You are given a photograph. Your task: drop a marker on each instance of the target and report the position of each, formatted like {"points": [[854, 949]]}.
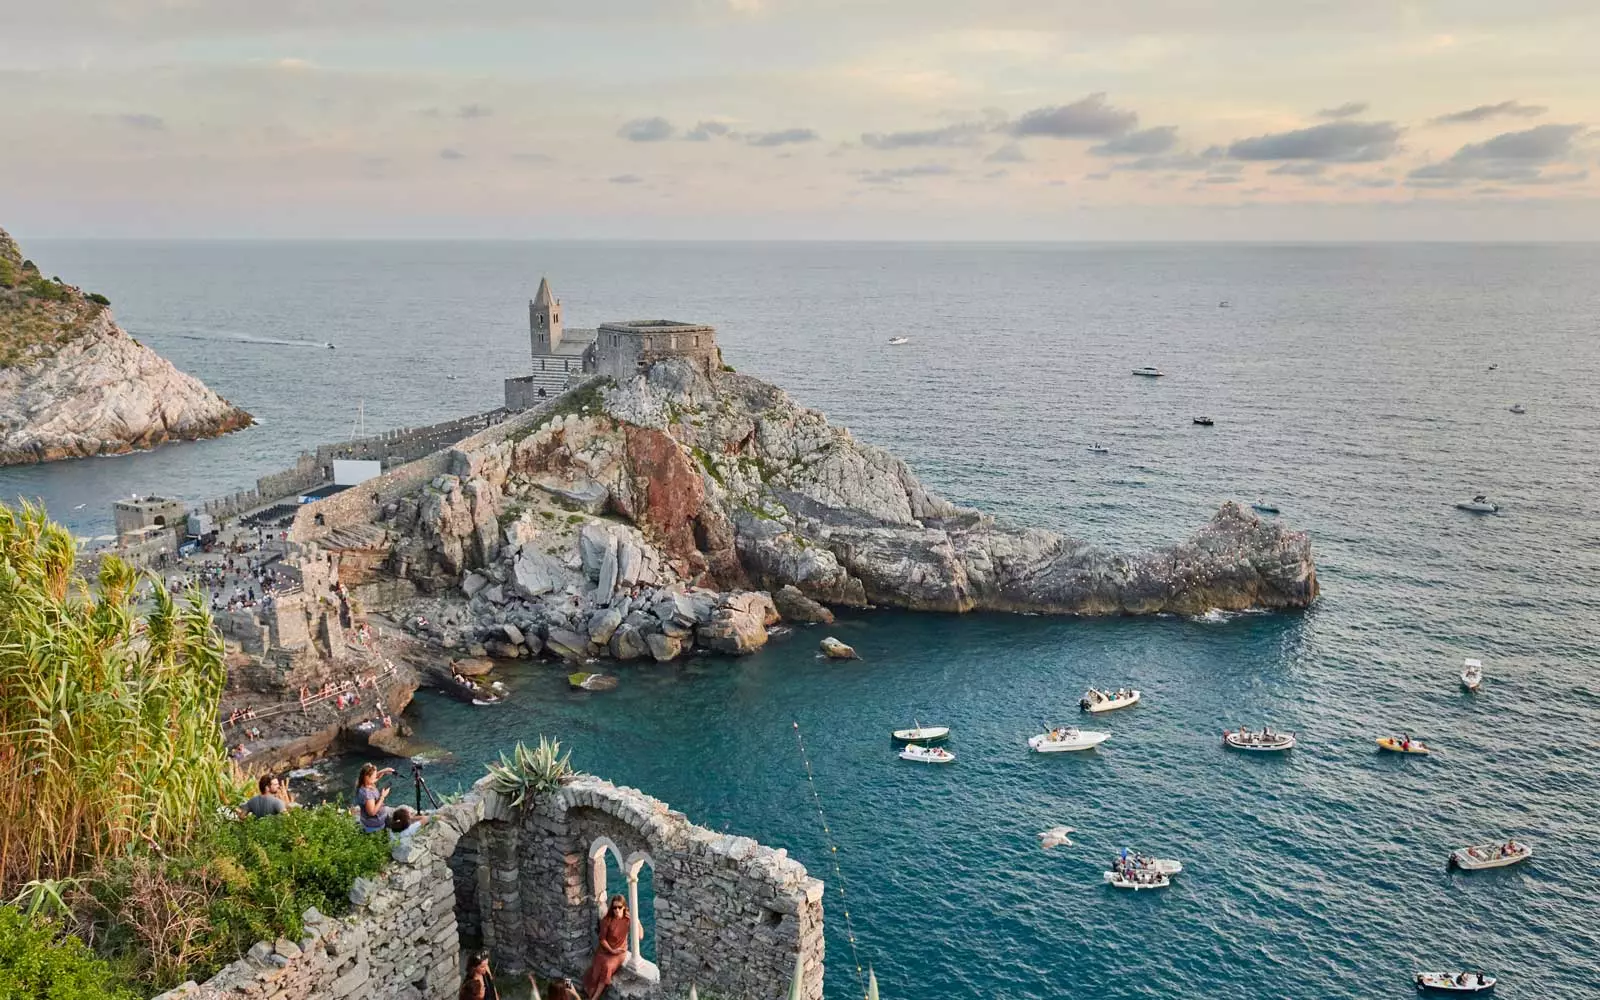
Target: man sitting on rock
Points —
{"points": [[272, 800]]}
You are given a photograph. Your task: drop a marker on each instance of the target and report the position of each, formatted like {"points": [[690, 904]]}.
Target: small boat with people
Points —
{"points": [[926, 755], [1099, 449], [1263, 740], [1479, 504], [1518, 408], [1262, 507], [1204, 421], [1149, 371], [1144, 862], [1403, 744], [897, 341], [1483, 856], [1471, 674], [1062, 739], [1136, 879], [922, 734], [1455, 982], [1097, 701]]}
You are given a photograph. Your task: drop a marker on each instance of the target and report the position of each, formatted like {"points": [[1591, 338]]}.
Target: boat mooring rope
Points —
{"points": [[838, 872]]}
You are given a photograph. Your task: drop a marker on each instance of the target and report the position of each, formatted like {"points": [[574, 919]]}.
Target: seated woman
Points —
{"points": [[370, 808], [611, 950]]}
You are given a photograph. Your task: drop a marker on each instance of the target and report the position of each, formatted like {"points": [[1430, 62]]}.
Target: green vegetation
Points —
{"points": [[39, 962], [531, 771], [108, 735], [37, 314], [99, 299], [114, 787], [165, 920]]}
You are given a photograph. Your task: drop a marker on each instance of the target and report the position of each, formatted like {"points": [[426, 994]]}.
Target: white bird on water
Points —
{"points": [[1056, 836]]}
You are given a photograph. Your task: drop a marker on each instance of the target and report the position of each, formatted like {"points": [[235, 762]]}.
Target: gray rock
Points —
{"points": [[593, 540], [607, 583], [495, 594], [664, 647], [628, 644], [503, 650], [567, 645], [794, 606], [602, 624], [833, 649], [630, 560], [513, 634], [588, 496], [473, 583], [536, 574], [592, 682]]}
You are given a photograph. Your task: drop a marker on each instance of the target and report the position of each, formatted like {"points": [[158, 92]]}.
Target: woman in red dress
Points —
{"points": [[612, 949]]}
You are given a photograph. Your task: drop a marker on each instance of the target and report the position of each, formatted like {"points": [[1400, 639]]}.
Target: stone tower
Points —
{"points": [[544, 320]]}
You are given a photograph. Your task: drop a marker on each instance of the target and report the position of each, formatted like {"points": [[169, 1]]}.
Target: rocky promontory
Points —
{"points": [[73, 383], [657, 515]]}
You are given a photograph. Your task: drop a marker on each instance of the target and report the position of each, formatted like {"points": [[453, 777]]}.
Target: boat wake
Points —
{"points": [[245, 338]]}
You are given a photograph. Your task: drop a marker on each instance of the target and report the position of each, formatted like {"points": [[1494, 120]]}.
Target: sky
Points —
{"points": [[802, 119]]}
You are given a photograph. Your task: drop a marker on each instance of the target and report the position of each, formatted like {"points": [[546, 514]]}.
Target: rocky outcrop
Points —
{"points": [[73, 383]]}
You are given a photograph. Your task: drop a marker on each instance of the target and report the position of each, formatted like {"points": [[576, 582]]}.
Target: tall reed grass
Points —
{"points": [[108, 709]]}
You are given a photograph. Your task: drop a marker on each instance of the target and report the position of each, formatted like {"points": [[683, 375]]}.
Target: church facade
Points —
{"points": [[561, 355]]}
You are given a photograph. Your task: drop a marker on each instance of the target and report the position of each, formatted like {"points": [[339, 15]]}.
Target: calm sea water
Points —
{"points": [[1349, 384]]}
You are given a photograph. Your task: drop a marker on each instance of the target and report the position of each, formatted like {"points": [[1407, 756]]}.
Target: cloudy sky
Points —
{"points": [[942, 119]]}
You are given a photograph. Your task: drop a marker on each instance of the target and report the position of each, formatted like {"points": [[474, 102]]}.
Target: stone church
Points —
{"points": [[563, 356]]}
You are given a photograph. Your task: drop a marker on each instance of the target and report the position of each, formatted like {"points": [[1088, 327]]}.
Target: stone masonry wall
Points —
{"points": [[732, 918]]}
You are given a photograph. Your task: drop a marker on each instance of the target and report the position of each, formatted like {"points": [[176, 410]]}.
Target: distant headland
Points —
{"points": [[74, 384]]}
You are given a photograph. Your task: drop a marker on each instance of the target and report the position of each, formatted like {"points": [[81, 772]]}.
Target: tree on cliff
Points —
{"points": [[108, 709]]}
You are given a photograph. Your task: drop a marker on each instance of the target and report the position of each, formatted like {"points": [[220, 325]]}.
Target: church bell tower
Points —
{"points": [[544, 321]]}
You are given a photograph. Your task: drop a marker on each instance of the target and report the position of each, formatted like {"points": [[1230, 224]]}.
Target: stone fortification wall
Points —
{"points": [[731, 917], [623, 350], [311, 470]]}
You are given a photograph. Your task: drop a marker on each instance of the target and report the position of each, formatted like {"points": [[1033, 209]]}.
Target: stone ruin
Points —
{"points": [[731, 917]]}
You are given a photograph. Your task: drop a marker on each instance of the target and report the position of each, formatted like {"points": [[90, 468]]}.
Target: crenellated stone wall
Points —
{"points": [[731, 917]]}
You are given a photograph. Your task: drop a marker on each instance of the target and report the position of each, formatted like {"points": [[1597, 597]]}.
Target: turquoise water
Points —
{"points": [[1350, 385]]}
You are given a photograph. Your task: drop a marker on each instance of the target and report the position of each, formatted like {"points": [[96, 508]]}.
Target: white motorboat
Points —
{"points": [[1455, 982], [1262, 507], [1056, 836], [1142, 862], [1518, 408], [1471, 673], [1265, 741], [1099, 449], [1097, 701], [922, 734], [1479, 504], [926, 755], [897, 341], [1130, 878], [1066, 738], [1489, 856], [1149, 371]]}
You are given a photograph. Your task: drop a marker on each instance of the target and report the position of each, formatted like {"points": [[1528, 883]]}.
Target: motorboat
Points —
{"points": [[1479, 504], [1100, 701], [1204, 421], [897, 341], [922, 734], [1056, 836], [1493, 367], [1149, 371], [1403, 744], [1264, 741], [1483, 856], [493, 699], [1065, 738], [1471, 673], [1262, 507], [1455, 982], [926, 755], [1518, 408], [1224, 304], [1099, 449], [1131, 878], [1143, 862]]}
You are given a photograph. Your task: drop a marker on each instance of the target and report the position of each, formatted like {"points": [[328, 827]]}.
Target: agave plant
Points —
{"points": [[530, 771]]}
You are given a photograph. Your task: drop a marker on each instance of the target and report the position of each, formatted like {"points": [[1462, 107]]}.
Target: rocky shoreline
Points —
{"points": [[74, 384], [678, 511]]}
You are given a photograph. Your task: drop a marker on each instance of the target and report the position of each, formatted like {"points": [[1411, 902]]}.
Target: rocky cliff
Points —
{"points": [[638, 517], [73, 383]]}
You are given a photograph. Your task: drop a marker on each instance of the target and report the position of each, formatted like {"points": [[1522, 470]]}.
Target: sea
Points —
{"points": [[1363, 390]]}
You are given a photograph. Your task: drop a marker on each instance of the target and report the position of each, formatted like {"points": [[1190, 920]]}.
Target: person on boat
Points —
{"points": [[1480, 977], [611, 950]]}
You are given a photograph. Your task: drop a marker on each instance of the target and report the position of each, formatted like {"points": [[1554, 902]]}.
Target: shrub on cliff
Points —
{"points": [[108, 709], [38, 961], [164, 920]]}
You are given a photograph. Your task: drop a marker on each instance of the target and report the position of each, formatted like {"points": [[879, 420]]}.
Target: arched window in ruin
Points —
{"points": [[631, 868]]}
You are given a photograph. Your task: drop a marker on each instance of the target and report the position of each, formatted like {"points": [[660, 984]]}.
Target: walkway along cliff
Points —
{"points": [[731, 917], [655, 514]]}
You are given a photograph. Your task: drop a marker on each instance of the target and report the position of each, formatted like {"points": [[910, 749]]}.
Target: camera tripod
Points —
{"points": [[422, 786]]}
